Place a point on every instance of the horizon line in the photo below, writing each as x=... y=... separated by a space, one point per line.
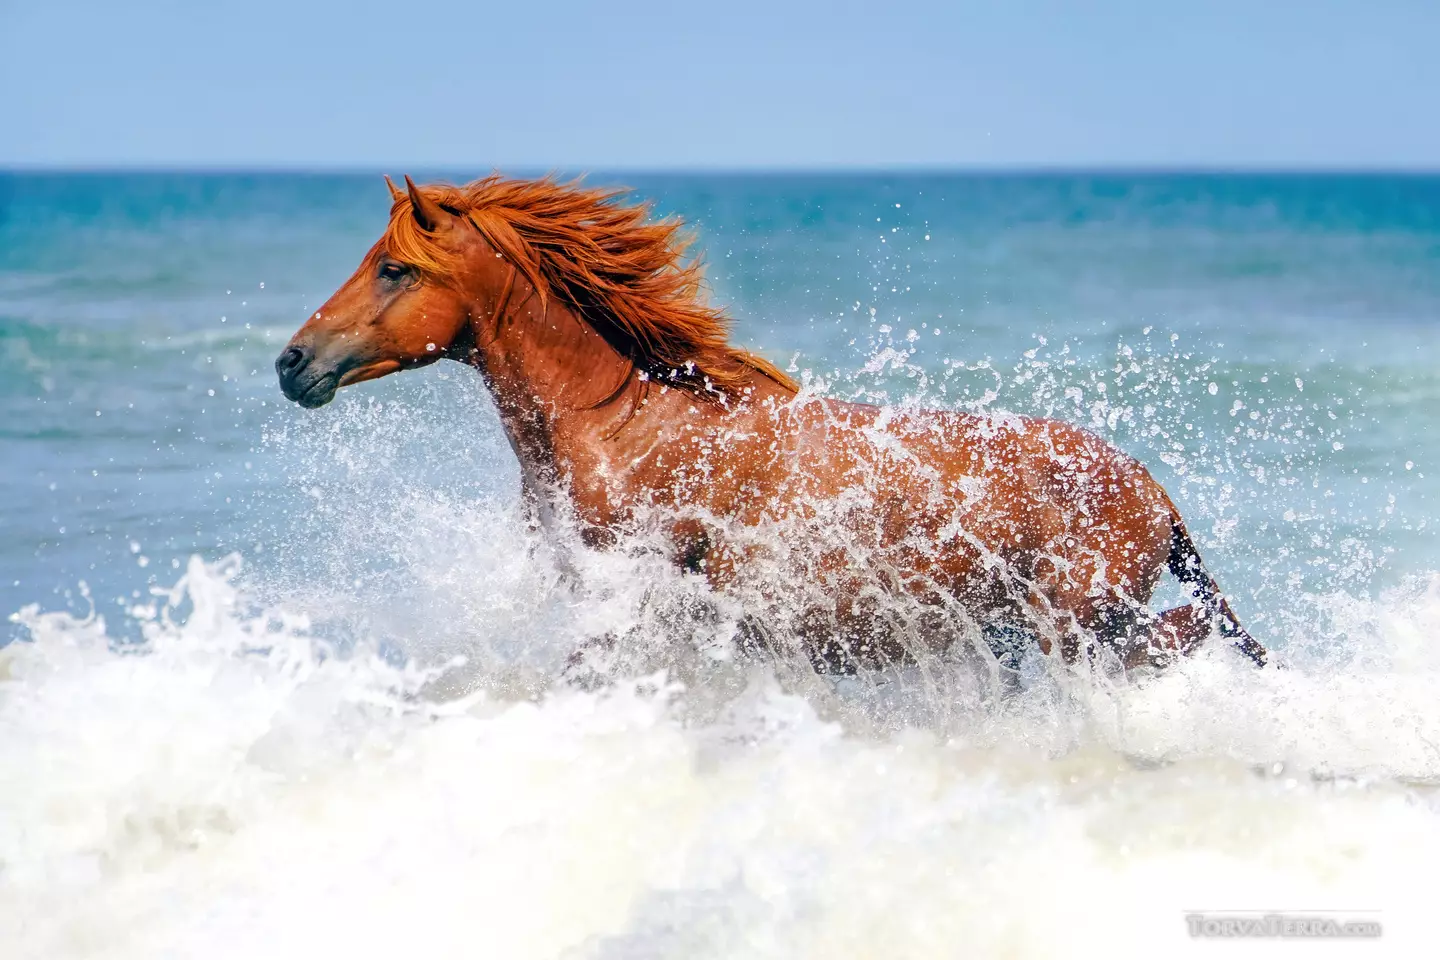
x=741 y=170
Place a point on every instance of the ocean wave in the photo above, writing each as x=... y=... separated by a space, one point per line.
x=236 y=785
x=40 y=345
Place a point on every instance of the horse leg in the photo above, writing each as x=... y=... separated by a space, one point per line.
x=1070 y=602
x=588 y=665
x=1138 y=640
x=1156 y=639
x=1077 y=592
x=1181 y=631
x=1058 y=606
x=1143 y=639
x=1052 y=624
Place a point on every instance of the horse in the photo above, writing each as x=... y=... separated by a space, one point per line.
x=631 y=412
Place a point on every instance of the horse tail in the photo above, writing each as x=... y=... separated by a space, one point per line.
x=1185 y=563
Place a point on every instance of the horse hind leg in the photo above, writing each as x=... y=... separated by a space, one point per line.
x=1112 y=620
x=1144 y=639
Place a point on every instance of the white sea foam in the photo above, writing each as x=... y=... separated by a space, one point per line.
x=237 y=789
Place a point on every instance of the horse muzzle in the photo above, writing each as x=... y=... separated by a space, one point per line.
x=304 y=380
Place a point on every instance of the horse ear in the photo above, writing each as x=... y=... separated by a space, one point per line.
x=427 y=212
x=395 y=192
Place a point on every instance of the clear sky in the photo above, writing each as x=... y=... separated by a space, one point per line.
x=738 y=83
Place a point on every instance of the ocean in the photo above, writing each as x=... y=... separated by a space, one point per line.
x=283 y=682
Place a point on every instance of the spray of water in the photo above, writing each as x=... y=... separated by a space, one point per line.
x=375 y=740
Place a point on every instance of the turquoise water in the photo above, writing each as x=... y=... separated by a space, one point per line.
x=139 y=314
x=286 y=679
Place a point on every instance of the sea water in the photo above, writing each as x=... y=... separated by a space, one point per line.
x=284 y=682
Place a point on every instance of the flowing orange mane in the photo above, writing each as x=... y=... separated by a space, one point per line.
x=625 y=275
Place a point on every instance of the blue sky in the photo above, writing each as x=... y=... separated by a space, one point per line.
x=628 y=84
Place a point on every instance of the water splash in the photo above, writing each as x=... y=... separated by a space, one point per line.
x=237 y=784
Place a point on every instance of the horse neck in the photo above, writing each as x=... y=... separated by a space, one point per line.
x=558 y=385
x=577 y=413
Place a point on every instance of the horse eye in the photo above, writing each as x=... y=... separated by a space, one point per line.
x=393 y=272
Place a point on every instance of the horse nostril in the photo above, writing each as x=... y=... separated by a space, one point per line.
x=290 y=360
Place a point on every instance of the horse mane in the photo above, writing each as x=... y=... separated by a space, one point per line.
x=626 y=275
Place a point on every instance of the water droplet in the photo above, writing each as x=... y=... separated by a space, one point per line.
x=430 y=347
x=1214 y=388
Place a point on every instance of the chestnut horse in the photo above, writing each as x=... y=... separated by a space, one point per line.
x=630 y=411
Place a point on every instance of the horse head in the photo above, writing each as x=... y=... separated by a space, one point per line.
x=534 y=282
x=404 y=307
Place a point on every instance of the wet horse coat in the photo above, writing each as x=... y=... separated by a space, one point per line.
x=628 y=408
